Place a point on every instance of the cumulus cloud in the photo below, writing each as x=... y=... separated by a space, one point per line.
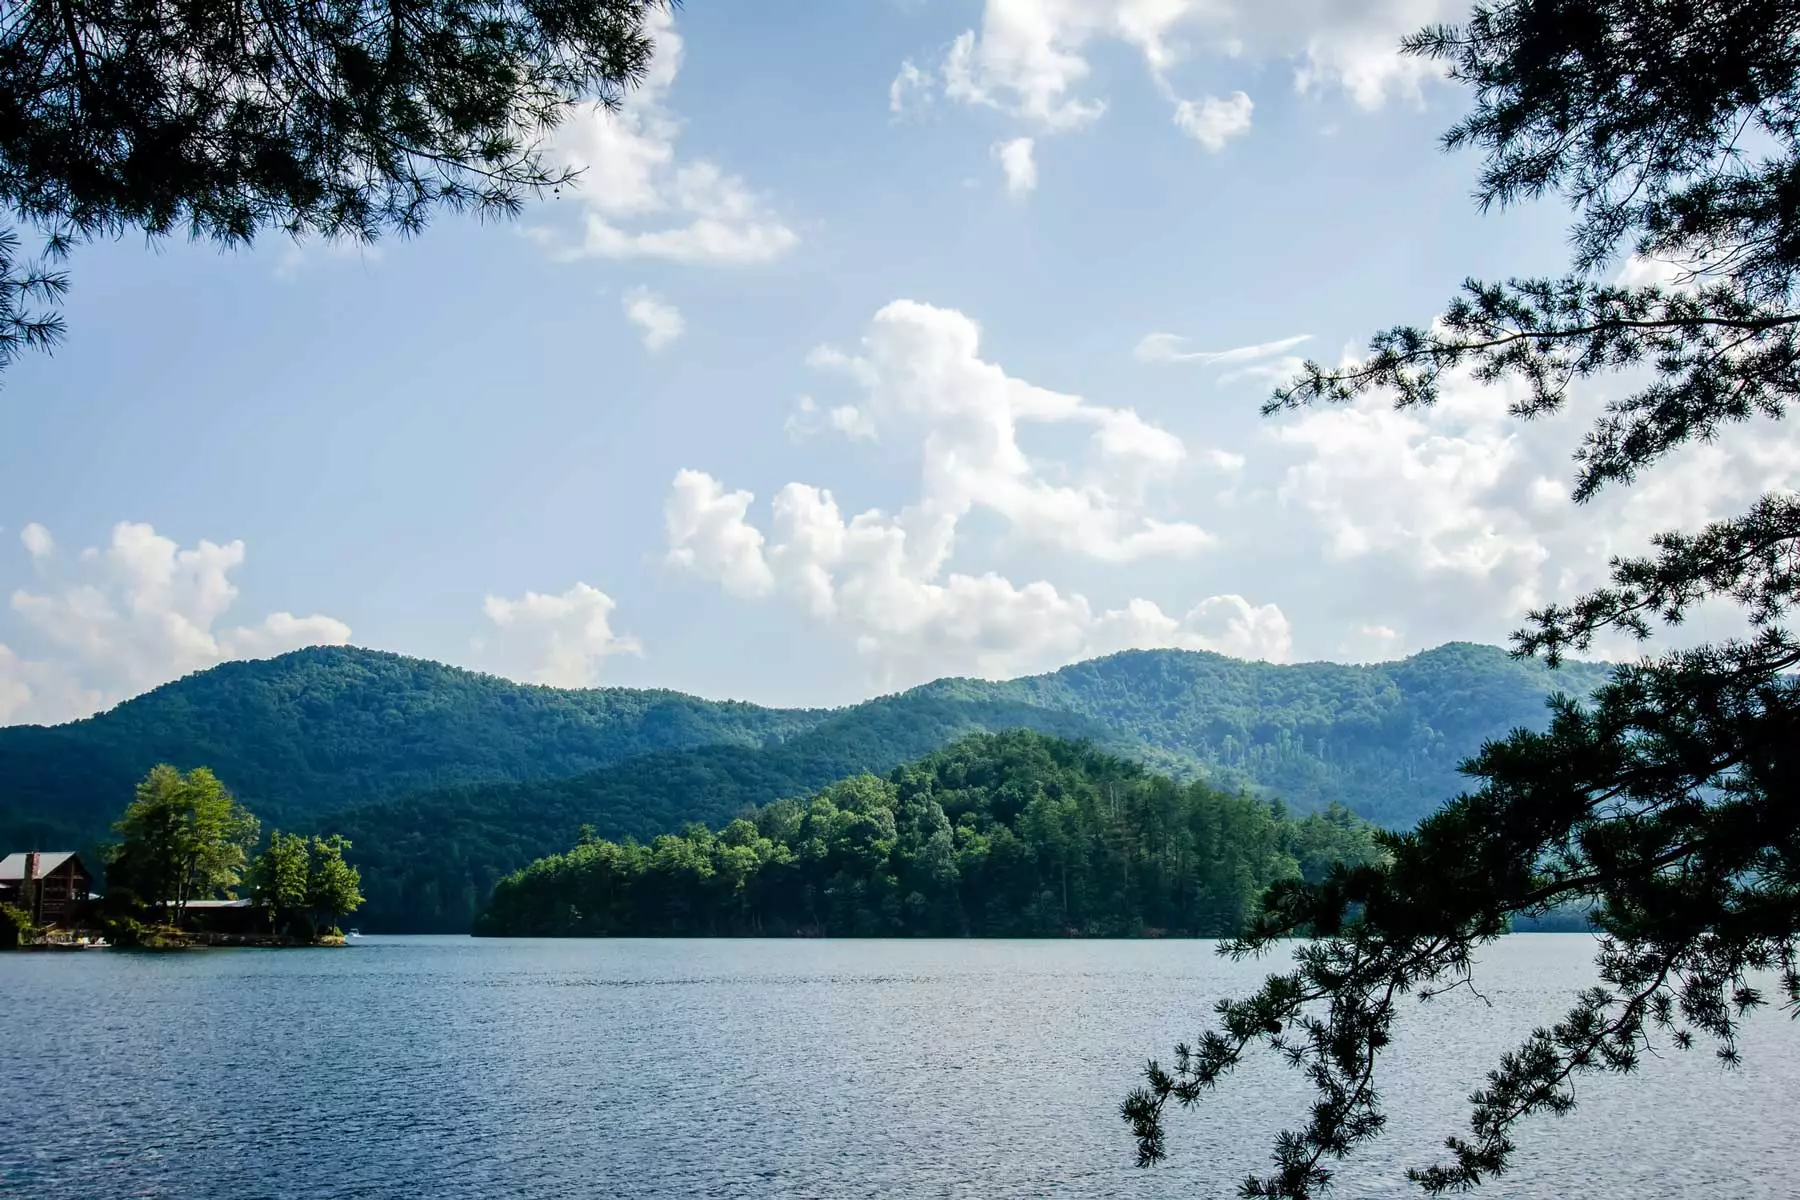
x=1456 y=519
x=658 y=321
x=920 y=371
x=560 y=640
x=1017 y=164
x=37 y=540
x=885 y=581
x=1030 y=58
x=708 y=534
x=882 y=582
x=641 y=199
x=133 y=614
x=1213 y=122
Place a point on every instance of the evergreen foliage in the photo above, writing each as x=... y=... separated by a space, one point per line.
x=1666 y=808
x=998 y=835
x=326 y=728
x=447 y=780
x=340 y=118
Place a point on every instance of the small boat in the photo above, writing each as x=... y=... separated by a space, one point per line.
x=354 y=933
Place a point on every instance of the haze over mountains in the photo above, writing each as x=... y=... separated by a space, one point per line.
x=446 y=779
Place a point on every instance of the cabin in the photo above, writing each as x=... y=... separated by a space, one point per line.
x=47 y=884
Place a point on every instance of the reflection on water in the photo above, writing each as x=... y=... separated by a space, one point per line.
x=475 y=1070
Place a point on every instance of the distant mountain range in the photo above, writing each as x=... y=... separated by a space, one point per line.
x=446 y=779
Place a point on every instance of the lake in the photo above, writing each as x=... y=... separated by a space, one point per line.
x=474 y=1070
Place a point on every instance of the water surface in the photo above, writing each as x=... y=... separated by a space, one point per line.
x=481 y=1070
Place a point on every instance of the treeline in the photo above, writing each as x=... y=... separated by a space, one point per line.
x=999 y=835
x=446 y=781
x=433 y=859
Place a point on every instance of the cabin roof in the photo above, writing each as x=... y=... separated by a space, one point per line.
x=12 y=867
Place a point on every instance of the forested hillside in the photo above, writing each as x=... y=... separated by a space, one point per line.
x=1384 y=739
x=430 y=860
x=999 y=835
x=320 y=729
x=447 y=780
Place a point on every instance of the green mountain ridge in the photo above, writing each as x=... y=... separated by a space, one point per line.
x=447 y=780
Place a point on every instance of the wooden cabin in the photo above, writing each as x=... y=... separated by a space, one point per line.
x=47 y=884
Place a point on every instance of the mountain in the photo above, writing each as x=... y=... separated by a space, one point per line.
x=331 y=726
x=1384 y=739
x=998 y=835
x=447 y=779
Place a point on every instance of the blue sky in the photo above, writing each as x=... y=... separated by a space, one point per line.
x=880 y=342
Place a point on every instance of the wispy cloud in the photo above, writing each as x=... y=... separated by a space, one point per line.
x=659 y=321
x=1171 y=348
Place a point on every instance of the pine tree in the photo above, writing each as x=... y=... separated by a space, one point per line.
x=339 y=118
x=1670 y=802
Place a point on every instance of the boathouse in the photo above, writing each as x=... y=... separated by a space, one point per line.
x=225 y=916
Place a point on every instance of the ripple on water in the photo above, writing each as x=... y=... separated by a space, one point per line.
x=477 y=1070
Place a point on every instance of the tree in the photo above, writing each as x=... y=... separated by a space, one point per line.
x=182 y=838
x=340 y=118
x=1668 y=801
x=333 y=886
x=278 y=878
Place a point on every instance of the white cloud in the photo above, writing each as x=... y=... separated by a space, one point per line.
x=137 y=613
x=1457 y=518
x=1168 y=348
x=15 y=693
x=884 y=580
x=560 y=640
x=659 y=321
x=1016 y=162
x=1030 y=59
x=1213 y=122
x=37 y=540
x=708 y=534
x=846 y=419
x=1371 y=643
x=280 y=632
x=911 y=90
x=882 y=583
x=640 y=199
x=921 y=371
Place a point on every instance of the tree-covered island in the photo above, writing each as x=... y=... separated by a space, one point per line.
x=1011 y=834
x=184 y=872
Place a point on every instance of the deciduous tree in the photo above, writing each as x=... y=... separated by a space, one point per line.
x=182 y=838
x=278 y=878
x=333 y=886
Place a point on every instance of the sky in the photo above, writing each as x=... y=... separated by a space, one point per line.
x=880 y=341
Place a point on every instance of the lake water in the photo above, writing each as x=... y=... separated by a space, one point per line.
x=476 y=1070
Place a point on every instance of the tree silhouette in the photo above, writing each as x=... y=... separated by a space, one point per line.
x=1668 y=802
x=225 y=118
